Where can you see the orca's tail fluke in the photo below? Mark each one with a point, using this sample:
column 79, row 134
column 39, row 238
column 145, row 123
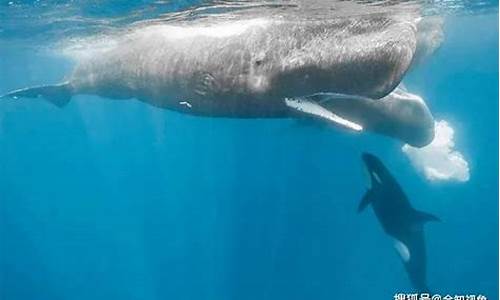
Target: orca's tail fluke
column 57, row 94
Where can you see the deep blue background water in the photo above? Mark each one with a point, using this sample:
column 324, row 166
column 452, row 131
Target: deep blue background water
column 118, row 200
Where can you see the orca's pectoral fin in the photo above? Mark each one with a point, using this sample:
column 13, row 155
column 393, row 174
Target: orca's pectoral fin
column 313, row 109
column 423, row 217
column 367, row 199
column 57, row 94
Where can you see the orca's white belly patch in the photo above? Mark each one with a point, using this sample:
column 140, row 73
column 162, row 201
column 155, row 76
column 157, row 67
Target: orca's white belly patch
column 402, row 250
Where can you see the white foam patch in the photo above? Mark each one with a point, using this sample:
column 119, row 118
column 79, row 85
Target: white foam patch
column 439, row 161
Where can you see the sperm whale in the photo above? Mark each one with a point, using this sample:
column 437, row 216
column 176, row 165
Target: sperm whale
column 247, row 68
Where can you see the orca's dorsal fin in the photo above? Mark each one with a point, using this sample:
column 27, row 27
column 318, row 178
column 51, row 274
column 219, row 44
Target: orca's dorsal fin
column 423, row 217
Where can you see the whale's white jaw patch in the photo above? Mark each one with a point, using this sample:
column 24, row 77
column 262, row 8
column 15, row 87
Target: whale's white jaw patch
column 311, row 108
column 402, row 250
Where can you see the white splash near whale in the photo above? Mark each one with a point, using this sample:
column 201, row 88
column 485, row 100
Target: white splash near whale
column 439, row 161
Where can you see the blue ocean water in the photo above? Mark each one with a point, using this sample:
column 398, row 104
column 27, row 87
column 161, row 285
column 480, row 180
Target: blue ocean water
column 116, row 199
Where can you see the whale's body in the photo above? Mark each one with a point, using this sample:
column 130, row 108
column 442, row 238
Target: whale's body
column 245, row 68
column 249, row 68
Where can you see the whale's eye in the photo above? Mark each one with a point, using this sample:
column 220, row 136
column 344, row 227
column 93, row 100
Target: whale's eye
column 258, row 62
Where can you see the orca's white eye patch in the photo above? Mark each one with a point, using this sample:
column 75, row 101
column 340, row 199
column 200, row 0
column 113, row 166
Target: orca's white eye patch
column 402, row 250
column 367, row 178
column 376, row 177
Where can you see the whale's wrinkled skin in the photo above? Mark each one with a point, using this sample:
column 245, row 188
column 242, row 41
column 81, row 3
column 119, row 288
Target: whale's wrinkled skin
column 248, row 68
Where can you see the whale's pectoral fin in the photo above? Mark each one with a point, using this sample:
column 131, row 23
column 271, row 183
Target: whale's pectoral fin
column 311, row 108
column 57, row 94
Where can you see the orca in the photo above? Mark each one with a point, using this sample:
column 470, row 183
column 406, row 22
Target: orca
column 399, row 219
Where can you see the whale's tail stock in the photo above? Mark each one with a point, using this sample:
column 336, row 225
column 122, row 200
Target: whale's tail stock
column 57, row 94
